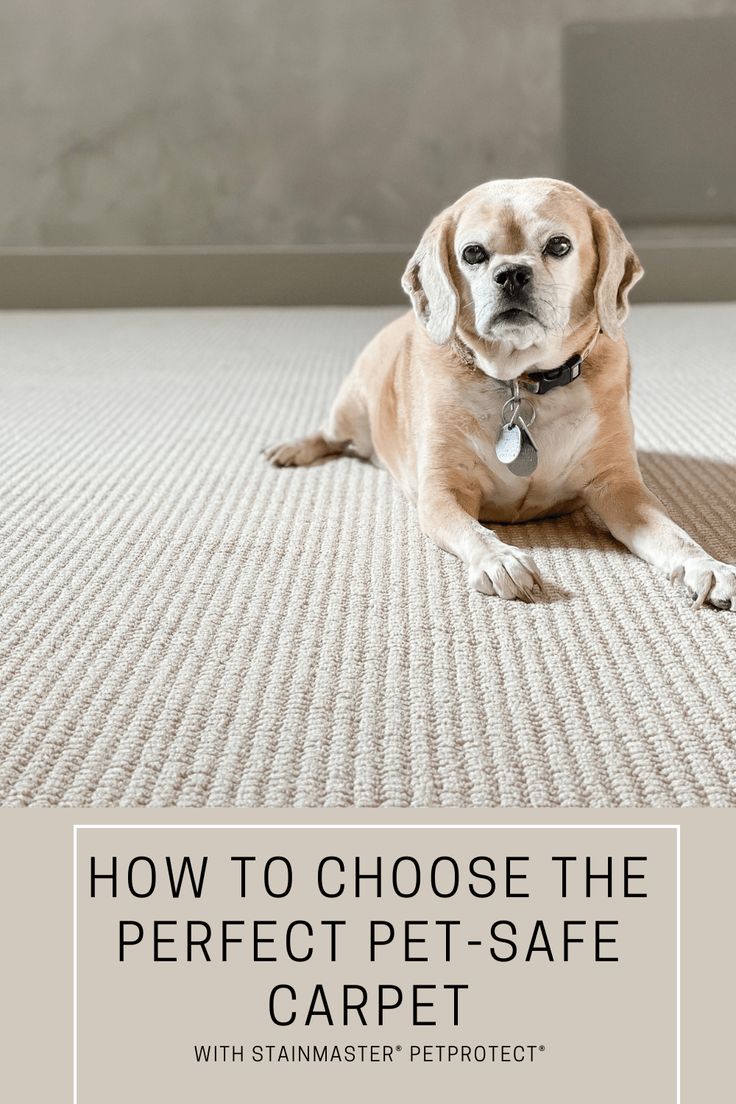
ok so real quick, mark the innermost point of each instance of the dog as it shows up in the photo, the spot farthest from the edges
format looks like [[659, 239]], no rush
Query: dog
[[504, 395]]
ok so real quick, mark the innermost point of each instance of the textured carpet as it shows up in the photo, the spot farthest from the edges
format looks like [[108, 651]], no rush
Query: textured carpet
[[183, 624]]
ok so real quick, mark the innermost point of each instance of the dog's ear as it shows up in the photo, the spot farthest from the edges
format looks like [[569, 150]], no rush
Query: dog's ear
[[428, 281], [618, 271]]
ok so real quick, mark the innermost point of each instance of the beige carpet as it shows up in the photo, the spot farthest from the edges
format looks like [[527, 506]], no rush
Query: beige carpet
[[182, 624]]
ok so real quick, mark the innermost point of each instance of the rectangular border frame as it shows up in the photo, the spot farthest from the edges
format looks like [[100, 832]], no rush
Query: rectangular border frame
[[380, 827]]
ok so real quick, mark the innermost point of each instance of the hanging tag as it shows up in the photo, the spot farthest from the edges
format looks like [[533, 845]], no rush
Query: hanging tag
[[527, 458], [509, 443]]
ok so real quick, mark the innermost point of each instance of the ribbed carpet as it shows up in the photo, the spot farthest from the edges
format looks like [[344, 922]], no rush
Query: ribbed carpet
[[183, 624]]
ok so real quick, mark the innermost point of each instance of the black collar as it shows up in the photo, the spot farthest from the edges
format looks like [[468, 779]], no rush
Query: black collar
[[538, 383]]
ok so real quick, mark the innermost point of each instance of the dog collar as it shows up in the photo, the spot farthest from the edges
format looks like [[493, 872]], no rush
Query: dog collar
[[538, 383]]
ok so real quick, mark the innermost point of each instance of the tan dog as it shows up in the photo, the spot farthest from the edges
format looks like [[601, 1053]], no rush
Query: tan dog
[[515, 279]]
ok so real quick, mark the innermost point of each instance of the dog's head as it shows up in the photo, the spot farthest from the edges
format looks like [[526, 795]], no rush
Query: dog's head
[[521, 265]]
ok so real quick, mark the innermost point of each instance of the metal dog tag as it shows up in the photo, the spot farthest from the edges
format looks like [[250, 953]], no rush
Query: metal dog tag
[[528, 456], [509, 444]]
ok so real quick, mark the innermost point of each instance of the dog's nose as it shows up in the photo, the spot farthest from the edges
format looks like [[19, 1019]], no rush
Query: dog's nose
[[512, 277]]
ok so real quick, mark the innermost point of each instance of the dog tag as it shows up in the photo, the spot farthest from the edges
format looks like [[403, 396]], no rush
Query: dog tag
[[509, 443], [525, 462]]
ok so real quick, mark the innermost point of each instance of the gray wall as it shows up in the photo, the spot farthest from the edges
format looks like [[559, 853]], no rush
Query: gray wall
[[275, 122], [650, 128]]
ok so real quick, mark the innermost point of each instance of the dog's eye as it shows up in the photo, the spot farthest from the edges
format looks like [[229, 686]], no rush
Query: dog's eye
[[558, 246], [474, 254]]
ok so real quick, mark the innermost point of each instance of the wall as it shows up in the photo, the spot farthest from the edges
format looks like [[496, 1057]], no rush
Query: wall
[[274, 122]]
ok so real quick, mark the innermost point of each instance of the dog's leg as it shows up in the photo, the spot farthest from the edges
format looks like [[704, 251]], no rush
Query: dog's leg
[[346, 426], [304, 450], [638, 519], [450, 518]]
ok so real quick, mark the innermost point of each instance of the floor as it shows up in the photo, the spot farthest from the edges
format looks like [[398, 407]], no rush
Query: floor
[[182, 624]]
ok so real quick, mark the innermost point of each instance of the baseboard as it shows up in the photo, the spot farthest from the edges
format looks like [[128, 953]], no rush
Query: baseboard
[[682, 265], [200, 277]]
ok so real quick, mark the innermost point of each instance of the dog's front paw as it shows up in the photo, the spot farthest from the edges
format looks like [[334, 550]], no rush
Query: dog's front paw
[[708, 580], [505, 571]]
